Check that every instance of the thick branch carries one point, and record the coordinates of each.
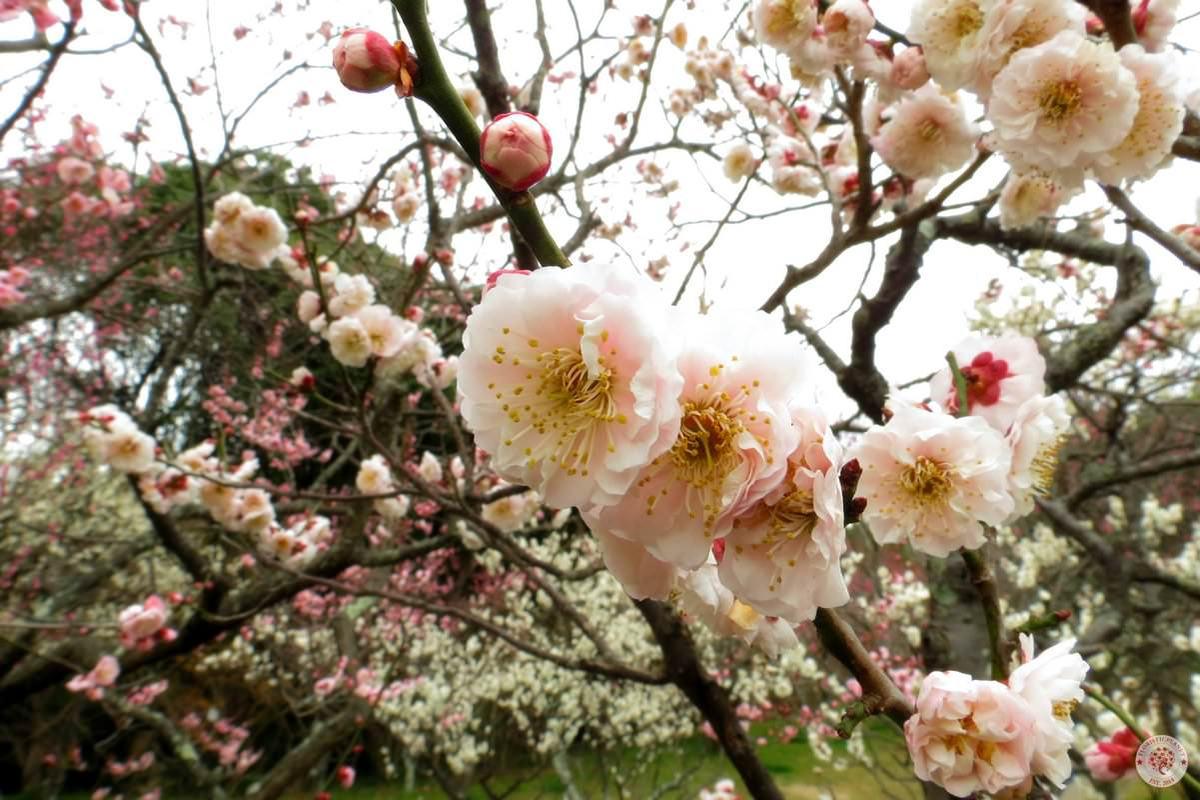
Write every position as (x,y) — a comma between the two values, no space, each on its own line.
(686,672)
(861,380)
(880,693)
(323,737)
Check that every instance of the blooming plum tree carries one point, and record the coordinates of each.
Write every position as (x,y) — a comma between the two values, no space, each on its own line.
(519,436)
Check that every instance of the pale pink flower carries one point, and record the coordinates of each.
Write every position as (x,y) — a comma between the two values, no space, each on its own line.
(1154,20)
(1111,759)
(374,476)
(1031,194)
(1001,374)
(473,99)
(129,450)
(260,230)
(143,620)
(1062,103)
(76,203)
(365,61)
(909,70)
(1013,25)
(74,171)
(701,595)
(1159,119)
(786,25)
(1035,436)
(933,479)
(350,293)
(568,379)
(349,342)
(739,373)
(308,306)
(928,134)
(515,150)
(846,24)
(253,509)
(792,169)
(969,736)
(783,555)
(386,332)
(229,208)
(949,32)
(1051,685)
(405,206)
(641,574)
(101,677)
(513,512)
(430,469)
(739,162)
(393,508)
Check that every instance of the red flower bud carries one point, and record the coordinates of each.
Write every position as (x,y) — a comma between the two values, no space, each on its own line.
(515,150)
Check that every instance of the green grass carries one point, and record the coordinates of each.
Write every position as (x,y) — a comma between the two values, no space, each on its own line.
(692,764)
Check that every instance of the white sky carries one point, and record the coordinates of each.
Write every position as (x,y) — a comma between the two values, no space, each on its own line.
(350,137)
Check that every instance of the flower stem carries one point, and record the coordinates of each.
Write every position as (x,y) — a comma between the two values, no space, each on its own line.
(434,86)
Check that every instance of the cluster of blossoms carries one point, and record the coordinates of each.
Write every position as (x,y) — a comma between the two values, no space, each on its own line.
(40,11)
(936,479)
(1061,105)
(11,281)
(677,436)
(970,735)
(358,329)
(197,477)
(113,438)
(244,233)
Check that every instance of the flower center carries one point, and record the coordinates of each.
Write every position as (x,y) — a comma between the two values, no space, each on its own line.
(983,377)
(1063,709)
(793,516)
(1060,101)
(1044,465)
(704,453)
(929,131)
(968,18)
(927,482)
(566,380)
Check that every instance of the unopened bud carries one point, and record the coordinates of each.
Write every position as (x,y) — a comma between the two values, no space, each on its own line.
(515,150)
(367,62)
(909,70)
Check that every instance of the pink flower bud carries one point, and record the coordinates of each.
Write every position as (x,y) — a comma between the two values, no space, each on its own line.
(909,70)
(367,62)
(515,150)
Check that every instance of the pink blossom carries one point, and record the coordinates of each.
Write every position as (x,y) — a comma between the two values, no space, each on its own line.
(74,171)
(102,676)
(739,373)
(142,621)
(515,150)
(968,736)
(932,479)
(587,350)
(909,70)
(783,555)
(1001,373)
(1110,759)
